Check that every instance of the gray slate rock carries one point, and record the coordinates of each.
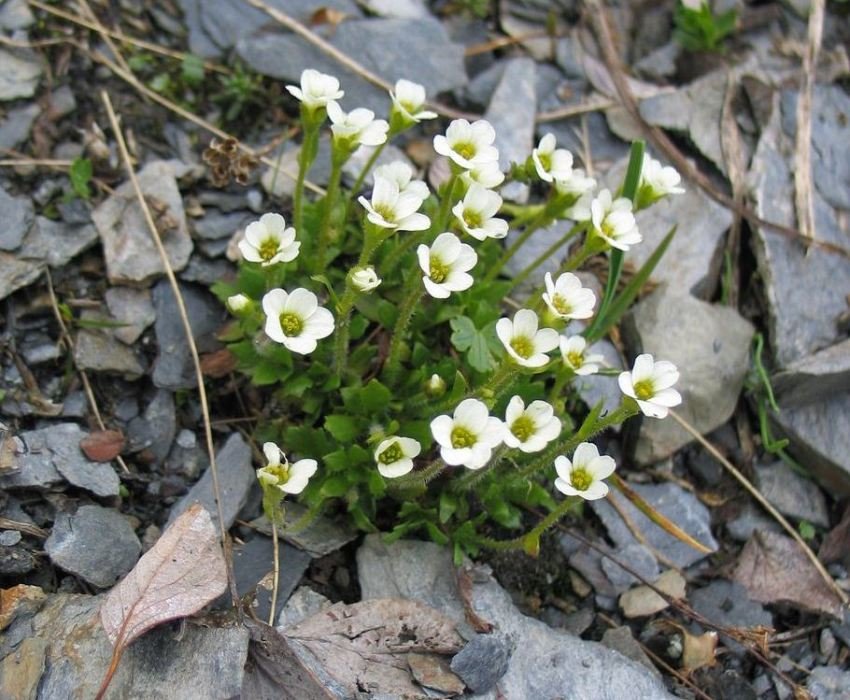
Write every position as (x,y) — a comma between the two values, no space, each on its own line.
(727,603)
(321,537)
(511,112)
(544,661)
(483,661)
(214,225)
(809,379)
(622,640)
(709,344)
(791,494)
(21,73)
(235,479)
(95,543)
(15,127)
(680,506)
(154,430)
(17,216)
(750,519)
(51,455)
(637,557)
(173,367)
(595,388)
(97,349)
(829,683)
(207,272)
(693,260)
(820,439)
(303,603)
(17,273)
(132,307)
(56,242)
(394,48)
(695,110)
(131,255)
(15,14)
(216,25)
(802,308)
(200,662)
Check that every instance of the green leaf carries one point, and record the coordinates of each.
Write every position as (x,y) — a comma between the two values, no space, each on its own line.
(80,175)
(467,338)
(192,69)
(448,506)
(343,428)
(335,486)
(375,397)
(621,304)
(266,373)
(463,333)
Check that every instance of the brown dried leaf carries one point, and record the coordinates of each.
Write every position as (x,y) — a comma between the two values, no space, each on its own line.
(327,15)
(218,364)
(836,544)
(177,577)
(364,646)
(10,446)
(102,445)
(774,569)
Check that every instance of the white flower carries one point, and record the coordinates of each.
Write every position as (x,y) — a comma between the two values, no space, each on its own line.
(552,163)
(238,303)
(488,175)
(408,99)
(467,144)
(476,211)
(468,437)
(365,279)
(530,429)
(446,265)
(296,319)
(694,5)
(269,242)
(567,298)
(574,354)
(395,456)
(280,474)
(576,184)
(401,174)
(657,181)
(650,384)
(614,221)
(583,476)
(356,128)
(317,89)
(524,343)
(393,209)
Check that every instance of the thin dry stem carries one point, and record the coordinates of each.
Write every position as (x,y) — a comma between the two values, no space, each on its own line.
(754,492)
(184,318)
(69,343)
(276,578)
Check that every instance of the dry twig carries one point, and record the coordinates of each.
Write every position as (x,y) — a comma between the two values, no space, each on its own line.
(187,328)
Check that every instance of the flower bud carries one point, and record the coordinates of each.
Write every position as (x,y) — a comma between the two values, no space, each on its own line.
(365,279)
(239,304)
(435,387)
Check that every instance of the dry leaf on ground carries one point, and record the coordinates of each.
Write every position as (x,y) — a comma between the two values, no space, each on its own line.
(774,569)
(836,544)
(102,445)
(364,646)
(177,577)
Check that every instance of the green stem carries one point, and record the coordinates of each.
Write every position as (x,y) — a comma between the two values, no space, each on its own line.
(411,296)
(420,478)
(325,225)
(474,476)
(309,148)
(405,244)
(442,219)
(367,168)
(534,534)
(625,410)
(544,256)
(533,225)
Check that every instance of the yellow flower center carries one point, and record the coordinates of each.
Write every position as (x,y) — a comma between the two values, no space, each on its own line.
(269,248)
(461,437)
(575,359)
(545,160)
(385,211)
(522,346)
(562,306)
(581,479)
(523,428)
(291,324)
(408,107)
(473,219)
(644,389)
(279,471)
(438,270)
(392,454)
(465,150)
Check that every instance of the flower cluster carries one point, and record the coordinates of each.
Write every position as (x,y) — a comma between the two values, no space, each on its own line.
(489,418)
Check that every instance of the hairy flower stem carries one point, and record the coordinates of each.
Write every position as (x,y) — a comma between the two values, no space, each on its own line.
(532,226)
(452,193)
(412,293)
(337,161)
(625,410)
(410,241)
(373,238)
(309,150)
(474,477)
(418,480)
(532,536)
(543,257)
(367,168)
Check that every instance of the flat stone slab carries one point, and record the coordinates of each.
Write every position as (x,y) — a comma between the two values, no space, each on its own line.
(131,255)
(811,378)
